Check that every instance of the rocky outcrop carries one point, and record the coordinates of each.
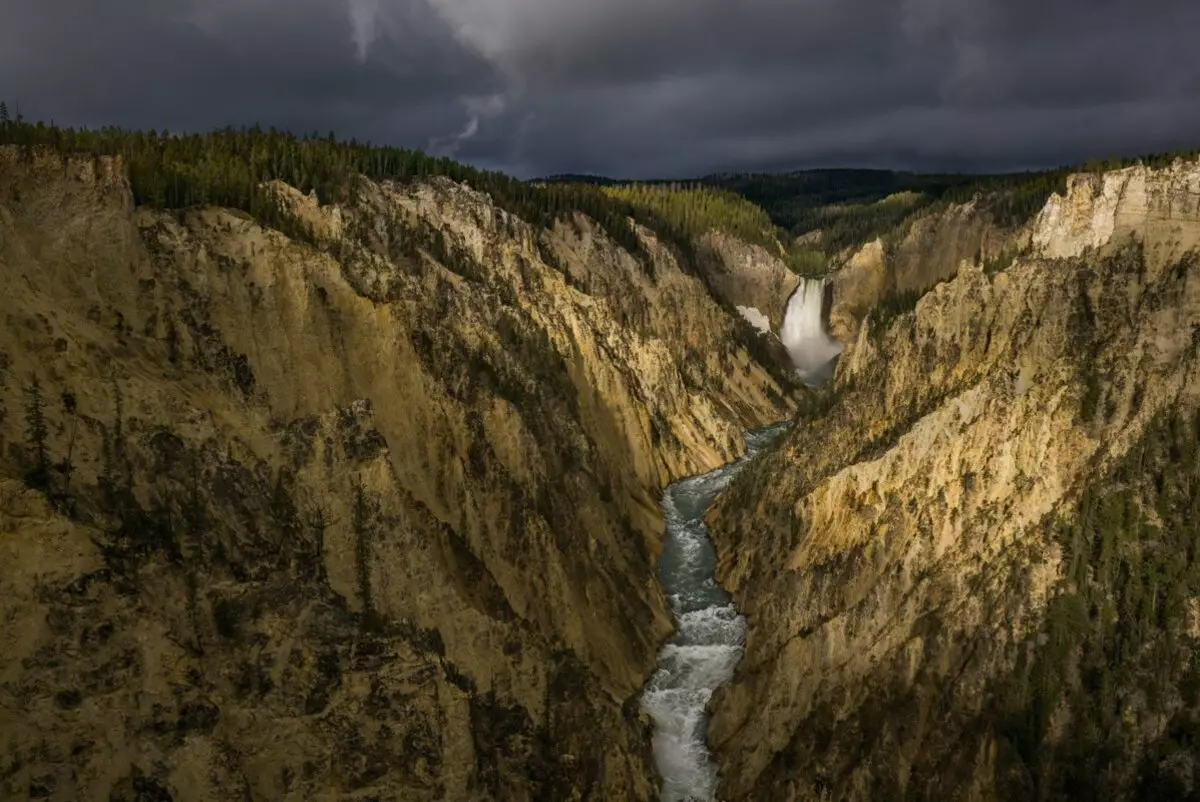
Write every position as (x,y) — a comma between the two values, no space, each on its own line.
(928,618)
(747,276)
(1161,207)
(371,514)
(855,289)
(913,259)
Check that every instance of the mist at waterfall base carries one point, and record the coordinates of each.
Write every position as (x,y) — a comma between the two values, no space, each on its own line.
(709,638)
(814,353)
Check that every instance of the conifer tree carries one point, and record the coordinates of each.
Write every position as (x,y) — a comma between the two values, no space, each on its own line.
(363,530)
(37,432)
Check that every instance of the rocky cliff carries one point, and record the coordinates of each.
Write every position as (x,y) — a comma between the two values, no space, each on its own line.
(913,258)
(972,572)
(747,277)
(366,514)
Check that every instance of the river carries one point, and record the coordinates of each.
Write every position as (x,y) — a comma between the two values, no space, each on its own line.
(709,637)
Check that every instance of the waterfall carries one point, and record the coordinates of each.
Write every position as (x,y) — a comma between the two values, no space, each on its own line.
(804,336)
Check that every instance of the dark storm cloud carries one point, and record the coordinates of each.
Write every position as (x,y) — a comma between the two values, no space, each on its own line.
(634,87)
(180,65)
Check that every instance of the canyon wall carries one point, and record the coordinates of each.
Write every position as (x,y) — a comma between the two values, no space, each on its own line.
(368,513)
(911,260)
(971,572)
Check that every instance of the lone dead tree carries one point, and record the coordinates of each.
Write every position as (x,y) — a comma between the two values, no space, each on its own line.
(318,518)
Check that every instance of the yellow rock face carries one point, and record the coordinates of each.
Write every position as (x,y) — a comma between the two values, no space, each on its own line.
(375,518)
(747,275)
(932,249)
(892,555)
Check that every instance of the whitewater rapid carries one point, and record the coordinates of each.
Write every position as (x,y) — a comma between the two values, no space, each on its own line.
(710,635)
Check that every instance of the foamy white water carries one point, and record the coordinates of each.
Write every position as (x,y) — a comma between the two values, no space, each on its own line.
(804,336)
(709,638)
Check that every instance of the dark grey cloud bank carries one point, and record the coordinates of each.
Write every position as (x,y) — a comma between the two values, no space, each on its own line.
(633,87)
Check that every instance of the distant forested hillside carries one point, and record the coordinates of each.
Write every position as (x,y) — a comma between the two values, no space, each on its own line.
(696,209)
(228,167)
(850,207)
(817,214)
(579,178)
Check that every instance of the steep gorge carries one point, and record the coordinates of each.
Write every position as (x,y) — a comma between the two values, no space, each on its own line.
(375,519)
(372,512)
(971,572)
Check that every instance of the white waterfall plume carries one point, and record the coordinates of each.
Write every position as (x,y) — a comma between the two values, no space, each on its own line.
(804,336)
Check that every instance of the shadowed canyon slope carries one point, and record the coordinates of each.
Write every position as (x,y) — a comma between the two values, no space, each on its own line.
(972,573)
(376,519)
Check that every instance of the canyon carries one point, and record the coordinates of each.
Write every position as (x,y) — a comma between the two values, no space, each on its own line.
(407,497)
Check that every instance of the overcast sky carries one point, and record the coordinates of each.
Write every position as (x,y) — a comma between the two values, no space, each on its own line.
(633,88)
